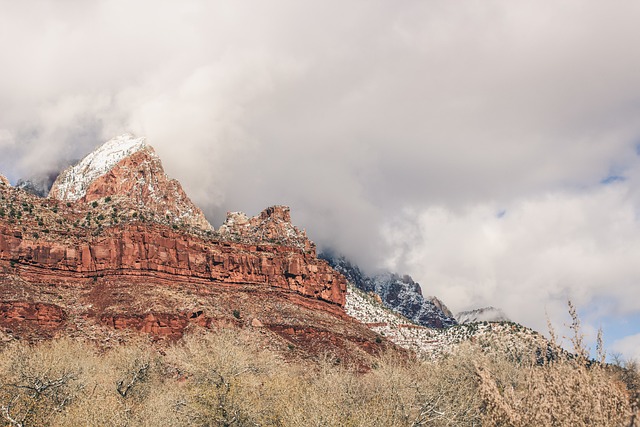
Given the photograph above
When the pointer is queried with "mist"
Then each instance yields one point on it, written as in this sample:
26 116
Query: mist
489 149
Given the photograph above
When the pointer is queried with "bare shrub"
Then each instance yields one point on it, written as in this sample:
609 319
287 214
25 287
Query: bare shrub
228 381
230 378
569 390
37 383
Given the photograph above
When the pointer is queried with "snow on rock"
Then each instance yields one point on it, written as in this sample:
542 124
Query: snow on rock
38 188
431 343
127 169
425 342
72 184
400 293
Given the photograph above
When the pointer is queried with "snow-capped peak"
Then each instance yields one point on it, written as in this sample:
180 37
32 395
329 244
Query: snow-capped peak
72 184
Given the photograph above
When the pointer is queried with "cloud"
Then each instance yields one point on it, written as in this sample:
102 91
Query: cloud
422 118
529 256
628 346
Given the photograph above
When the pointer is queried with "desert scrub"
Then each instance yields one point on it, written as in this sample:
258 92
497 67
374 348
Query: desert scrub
564 390
229 377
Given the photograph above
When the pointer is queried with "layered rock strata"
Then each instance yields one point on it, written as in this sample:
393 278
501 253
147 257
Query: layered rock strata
272 225
109 253
156 250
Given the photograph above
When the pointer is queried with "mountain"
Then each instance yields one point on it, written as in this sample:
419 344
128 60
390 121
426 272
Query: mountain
508 338
118 248
274 336
128 168
486 314
400 293
37 187
39 183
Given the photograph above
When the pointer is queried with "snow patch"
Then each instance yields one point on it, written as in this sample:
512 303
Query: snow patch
74 182
431 343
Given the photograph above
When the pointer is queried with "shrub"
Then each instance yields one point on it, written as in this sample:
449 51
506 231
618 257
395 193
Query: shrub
229 377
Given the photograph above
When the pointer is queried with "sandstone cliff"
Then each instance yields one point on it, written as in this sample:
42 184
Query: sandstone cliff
90 259
272 225
156 250
128 168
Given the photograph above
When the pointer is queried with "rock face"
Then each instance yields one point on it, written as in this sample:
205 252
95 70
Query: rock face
128 168
36 188
99 257
4 181
401 294
157 251
72 184
46 316
272 225
441 306
39 184
485 314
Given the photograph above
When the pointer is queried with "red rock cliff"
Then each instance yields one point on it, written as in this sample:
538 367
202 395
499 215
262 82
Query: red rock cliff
123 248
128 169
135 249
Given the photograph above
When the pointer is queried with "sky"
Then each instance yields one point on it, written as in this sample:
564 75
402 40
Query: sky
490 149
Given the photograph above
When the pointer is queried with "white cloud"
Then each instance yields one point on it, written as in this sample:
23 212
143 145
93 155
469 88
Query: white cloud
422 118
544 250
628 346
6 138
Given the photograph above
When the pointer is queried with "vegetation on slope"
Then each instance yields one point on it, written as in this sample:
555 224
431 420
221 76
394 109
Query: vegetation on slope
225 378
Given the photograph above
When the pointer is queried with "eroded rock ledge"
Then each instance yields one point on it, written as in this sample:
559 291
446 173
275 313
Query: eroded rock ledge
134 249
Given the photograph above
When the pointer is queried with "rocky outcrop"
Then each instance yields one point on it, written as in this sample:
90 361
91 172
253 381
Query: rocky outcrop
39 184
161 325
404 295
95 281
38 189
72 183
25 314
135 175
4 181
118 248
272 225
401 294
142 250
441 306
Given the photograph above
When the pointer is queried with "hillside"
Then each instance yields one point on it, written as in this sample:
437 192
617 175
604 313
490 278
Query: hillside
432 343
121 305
118 247
400 293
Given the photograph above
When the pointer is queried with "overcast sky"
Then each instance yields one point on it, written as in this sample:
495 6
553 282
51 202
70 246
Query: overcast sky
491 149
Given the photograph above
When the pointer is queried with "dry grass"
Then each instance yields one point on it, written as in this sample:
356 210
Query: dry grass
225 378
